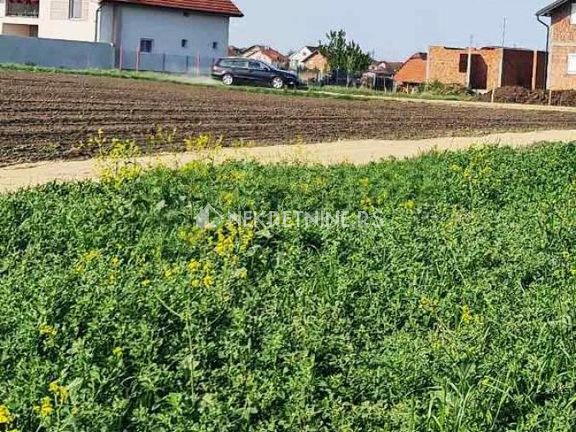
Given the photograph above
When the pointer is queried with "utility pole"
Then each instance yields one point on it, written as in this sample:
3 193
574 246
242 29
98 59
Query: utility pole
469 68
505 24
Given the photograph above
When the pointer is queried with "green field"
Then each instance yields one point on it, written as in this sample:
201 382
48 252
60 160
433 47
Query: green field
455 312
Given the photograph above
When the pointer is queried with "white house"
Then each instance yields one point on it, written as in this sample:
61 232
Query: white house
297 58
160 30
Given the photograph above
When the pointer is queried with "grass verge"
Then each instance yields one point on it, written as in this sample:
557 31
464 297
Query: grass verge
444 299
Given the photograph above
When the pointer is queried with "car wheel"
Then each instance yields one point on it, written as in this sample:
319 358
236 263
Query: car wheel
228 79
278 83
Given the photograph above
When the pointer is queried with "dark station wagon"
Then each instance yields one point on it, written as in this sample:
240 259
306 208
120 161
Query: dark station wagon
237 70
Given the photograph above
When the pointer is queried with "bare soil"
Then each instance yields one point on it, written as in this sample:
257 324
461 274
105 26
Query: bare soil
46 116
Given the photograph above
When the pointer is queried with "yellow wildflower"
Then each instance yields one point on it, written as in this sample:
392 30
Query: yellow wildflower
242 273
91 256
366 203
208 281
193 266
47 330
5 416
225 244
45 409
238 176
228 199
117 352
428 304
170 272
115 262
59 391
467 316
409 205
246 239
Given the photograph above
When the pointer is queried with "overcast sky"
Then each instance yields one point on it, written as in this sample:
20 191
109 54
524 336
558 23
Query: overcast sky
392 29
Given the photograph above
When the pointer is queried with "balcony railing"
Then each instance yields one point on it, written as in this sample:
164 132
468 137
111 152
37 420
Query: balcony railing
22 8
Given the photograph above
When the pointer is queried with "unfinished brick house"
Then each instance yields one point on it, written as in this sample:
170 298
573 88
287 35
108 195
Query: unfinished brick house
491 67
562 44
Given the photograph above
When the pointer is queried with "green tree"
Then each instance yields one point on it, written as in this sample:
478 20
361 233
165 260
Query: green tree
343 55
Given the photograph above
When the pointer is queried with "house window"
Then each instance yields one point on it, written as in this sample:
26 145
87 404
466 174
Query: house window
463 64
74 9
184 43
146 45
573 14
214 45
572 64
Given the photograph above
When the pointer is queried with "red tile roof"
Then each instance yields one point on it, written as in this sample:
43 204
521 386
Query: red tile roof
414 70
219 7
274 55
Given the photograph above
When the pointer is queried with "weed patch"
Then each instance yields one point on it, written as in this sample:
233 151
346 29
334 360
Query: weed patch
120 312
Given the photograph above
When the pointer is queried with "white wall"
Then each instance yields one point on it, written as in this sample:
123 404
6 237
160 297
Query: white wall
49 52
167 27
54 22
297 58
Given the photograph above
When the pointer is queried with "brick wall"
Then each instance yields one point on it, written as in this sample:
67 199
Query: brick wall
491 67
559 77
562 29
316 62
563 43
518 68
450 66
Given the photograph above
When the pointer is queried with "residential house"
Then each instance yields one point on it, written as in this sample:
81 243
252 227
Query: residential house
385 67
380 75
268 55
413 72
196 29
490 67
314 67
315 62
297 58
234 51
562 44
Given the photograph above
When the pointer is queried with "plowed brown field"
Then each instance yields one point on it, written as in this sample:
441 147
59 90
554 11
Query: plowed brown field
45 116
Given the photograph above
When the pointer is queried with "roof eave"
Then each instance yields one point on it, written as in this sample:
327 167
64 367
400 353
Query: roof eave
547 11
239 14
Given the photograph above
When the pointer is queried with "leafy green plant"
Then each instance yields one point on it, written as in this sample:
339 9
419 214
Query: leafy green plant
455 312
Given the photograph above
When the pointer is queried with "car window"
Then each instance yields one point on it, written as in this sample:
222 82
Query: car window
256 65
240 64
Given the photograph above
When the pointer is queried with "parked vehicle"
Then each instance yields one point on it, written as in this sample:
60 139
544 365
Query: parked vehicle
237 70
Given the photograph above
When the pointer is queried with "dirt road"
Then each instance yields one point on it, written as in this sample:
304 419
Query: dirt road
357 152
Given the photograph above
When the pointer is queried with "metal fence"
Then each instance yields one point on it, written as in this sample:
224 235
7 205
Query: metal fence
197 65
